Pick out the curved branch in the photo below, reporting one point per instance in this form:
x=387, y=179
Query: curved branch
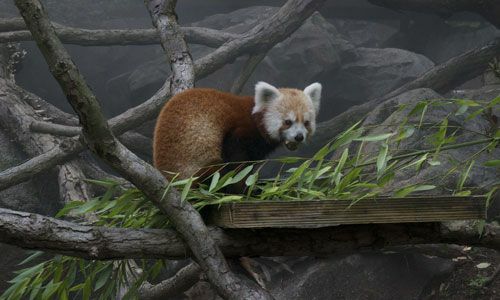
x=247, y=70
x=441, y=78
x=14, y=30
x=148, y=110
x=489, y=9
x=34, y=231
x=180, y=282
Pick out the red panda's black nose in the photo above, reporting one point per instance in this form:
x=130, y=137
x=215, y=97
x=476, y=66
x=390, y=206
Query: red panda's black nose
x=299, y=137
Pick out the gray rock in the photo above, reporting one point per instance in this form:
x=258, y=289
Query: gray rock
x=372, y=275
x=388, y=117
x=375, y=73
x=448, y=41
x=314, y=49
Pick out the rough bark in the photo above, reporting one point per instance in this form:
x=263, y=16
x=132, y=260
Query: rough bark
x=33, y=231
x=101, y=141
x=441, y=78
x=14, y=30
x=16, y=117
x=180, y=282
x=489, y=9
x=148, y=110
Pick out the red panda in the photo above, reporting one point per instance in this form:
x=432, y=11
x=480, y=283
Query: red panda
x=202, y=127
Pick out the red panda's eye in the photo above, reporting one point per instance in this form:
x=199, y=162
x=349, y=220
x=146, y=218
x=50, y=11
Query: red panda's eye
x=307, y=123
x=288, y=122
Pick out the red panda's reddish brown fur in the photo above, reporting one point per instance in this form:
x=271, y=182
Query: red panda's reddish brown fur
x=191, y=127
x=202, y=127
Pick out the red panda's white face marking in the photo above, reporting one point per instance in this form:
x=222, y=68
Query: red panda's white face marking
x=289, y=115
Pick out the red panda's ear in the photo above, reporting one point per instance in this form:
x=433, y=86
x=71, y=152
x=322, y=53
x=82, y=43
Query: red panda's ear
x=264, y=95
x=313, y=91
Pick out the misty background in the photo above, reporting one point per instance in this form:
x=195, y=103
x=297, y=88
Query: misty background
x=358, y=51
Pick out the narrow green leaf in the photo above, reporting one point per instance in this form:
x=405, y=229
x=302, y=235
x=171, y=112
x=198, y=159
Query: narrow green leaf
x=103, y=278
x=186, y=189
x=492, y=163
x=374, y=138
x=214, y=181
x=382, y=159
x=31, y=257
x=252, y=179
x=242, y=174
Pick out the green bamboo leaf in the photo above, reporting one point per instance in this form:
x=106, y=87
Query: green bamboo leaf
x=322, y=152
x=186, y=189
x=464, y=176
x=31, y=257
x=382, y=159
x=68, y=207
x=492, y=163
x=252, y=179
x=463, y=193
x=374, y=138
x=103, y=278
x=407, y=131
x=290, y=159
x=242, y=174
x=214, y=181
x=50, y=289
x=87, y=206
x=87, y=288
x=461, y=110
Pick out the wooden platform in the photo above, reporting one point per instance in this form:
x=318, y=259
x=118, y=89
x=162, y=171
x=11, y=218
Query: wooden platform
x=323, y=213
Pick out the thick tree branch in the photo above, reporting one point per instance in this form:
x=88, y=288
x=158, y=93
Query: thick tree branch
x=14, y=30
x=150, y=108
x=16, y=117
x=441, y=78
x=33, y=231
x=489, y=9
x=100, y=139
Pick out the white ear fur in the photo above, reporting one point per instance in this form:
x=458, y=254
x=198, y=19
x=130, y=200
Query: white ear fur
x=264, y=95
x=313, y=91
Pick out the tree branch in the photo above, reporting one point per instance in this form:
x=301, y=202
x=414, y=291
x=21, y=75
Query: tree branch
x=441, y=78
x=100, y=140
x=33, y=231
x=247, y=70
x=489, y=9
x=14, y=30
x=150, y=108
x=180, y=282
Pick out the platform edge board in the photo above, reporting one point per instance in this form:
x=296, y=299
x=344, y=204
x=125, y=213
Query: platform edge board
x=324, y=213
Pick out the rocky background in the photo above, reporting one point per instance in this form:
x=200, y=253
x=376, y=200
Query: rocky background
x=356, y=50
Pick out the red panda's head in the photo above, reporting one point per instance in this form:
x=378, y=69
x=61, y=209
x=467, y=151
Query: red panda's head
x=288, y=115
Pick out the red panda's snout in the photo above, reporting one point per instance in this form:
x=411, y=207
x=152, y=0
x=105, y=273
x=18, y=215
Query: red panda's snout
x=289, y=115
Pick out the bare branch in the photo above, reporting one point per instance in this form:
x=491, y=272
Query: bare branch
x=33, y=231
x=489, y=9
x=441, y=78
x=132, y=140
x=100, y=140
x=180, y=282
x=150, y=108
x=14, y=30
x=12, y=24
x=247, y=70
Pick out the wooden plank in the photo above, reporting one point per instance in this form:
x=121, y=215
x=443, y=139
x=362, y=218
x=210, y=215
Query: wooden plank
x=323, y=213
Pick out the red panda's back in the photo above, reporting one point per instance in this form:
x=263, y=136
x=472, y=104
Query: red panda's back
x=191, y=127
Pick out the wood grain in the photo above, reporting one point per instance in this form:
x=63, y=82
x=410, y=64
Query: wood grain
x=322, y=213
